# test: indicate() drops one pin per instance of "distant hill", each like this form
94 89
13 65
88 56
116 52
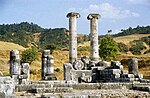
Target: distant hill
28 34
137 30
129 38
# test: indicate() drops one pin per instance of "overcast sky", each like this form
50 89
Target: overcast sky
115 14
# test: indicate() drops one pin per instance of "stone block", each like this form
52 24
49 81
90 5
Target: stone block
77 74
112 71
140 76
98 68
49 96
104 64
127 75
16 79
7 86
50 77
133 66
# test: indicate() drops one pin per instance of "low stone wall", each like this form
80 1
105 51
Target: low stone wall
68 89
74 86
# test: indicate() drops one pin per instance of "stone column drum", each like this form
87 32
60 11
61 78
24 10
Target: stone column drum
133 66
94 54
73 36
50 65
15 68
45 53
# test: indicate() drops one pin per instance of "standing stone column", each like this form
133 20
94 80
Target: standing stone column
94 54
15 68
45 53
133 66
73 36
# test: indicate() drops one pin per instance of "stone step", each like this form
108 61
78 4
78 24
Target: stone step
51 90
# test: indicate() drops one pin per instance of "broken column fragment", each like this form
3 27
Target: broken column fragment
47 66
15 68
67 71
73 36
94 54
24 78
133 66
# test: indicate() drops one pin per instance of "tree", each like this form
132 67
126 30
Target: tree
108 48
29 55
51 47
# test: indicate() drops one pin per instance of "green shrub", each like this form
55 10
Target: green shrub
137 47
51 47
85 48
143 63
57 69
29 55
108 48
146 40
122 47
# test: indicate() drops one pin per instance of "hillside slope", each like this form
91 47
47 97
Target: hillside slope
5 48
9 46
128 38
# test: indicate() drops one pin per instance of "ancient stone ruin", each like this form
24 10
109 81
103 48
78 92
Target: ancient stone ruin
47 66
85 77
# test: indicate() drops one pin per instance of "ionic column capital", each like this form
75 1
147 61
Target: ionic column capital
93 15
73 14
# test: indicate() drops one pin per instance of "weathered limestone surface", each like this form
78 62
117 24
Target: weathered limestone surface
24 78
59 89
94 53
7 87
78 64
45 53
133 66
73 36
15 68
47 66
67 71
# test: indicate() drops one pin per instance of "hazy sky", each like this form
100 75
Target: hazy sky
115 14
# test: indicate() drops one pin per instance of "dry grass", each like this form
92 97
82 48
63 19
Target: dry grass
127 39
9 46
61 57
84 44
